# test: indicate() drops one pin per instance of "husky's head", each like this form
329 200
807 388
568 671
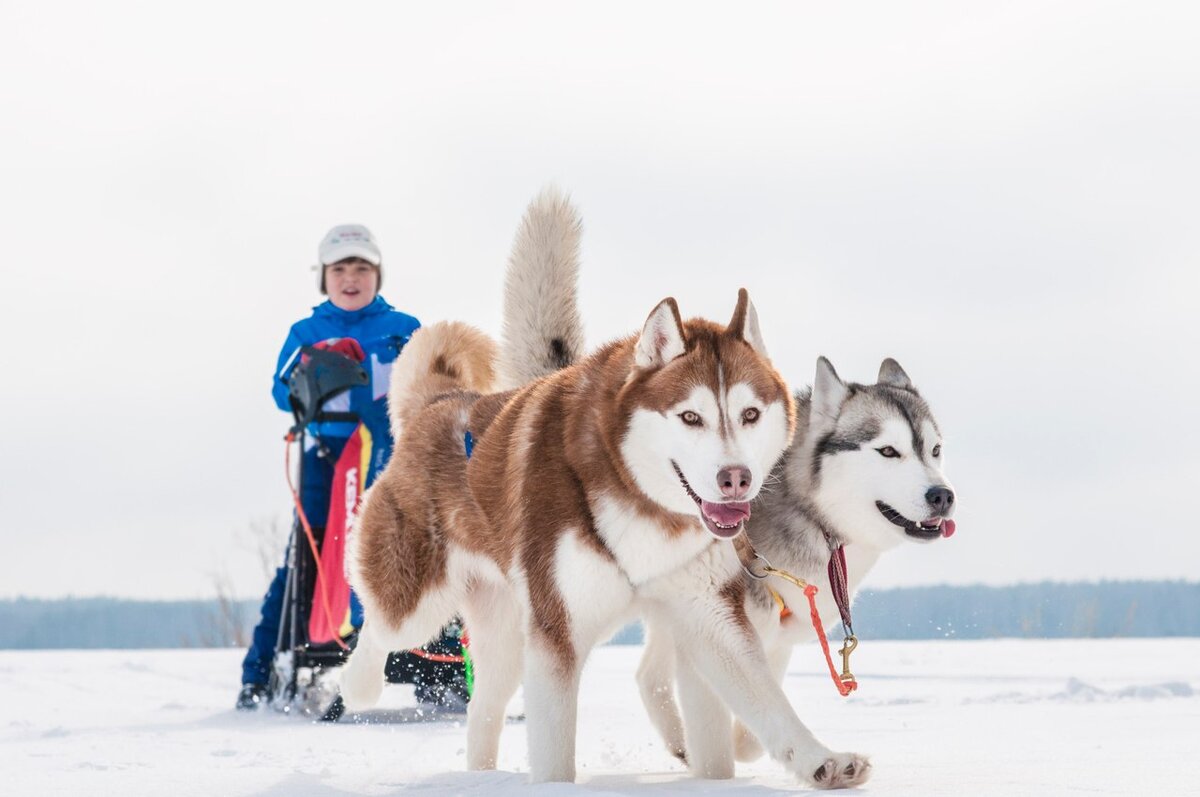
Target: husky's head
872 459
706 415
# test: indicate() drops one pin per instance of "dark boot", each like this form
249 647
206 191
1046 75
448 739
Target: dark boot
450 695
251 697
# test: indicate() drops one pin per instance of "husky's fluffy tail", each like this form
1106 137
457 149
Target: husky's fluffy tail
440 358
542 331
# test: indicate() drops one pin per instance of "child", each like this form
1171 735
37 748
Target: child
358 323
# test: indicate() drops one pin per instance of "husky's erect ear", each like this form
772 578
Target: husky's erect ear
890 373
829 391
744 323
662 338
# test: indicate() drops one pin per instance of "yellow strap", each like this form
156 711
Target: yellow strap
784 611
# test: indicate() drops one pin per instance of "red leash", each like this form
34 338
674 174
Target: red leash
759 568
845 682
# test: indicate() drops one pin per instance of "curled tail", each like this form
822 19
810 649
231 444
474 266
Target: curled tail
440 358
542 330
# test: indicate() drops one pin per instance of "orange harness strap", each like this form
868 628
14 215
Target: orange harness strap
845 682
447 658
758 569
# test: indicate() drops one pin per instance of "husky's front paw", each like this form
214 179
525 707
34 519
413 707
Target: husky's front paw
842 771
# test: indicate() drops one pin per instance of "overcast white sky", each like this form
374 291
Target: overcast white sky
1003 196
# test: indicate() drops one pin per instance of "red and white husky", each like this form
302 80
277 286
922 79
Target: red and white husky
608 488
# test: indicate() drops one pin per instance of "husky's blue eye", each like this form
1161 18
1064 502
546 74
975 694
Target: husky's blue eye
889 452
750 415
937 450
691 418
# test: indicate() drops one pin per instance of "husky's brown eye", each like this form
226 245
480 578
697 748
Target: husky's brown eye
750 415
937 450
691 418
889 452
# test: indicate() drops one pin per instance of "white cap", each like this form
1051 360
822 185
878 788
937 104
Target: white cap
347 240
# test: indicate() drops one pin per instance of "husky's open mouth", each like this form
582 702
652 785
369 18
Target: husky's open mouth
722 520
925 530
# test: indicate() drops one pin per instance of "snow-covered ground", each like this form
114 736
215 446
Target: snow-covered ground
1001 717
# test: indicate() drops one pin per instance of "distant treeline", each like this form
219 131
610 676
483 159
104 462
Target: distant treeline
1046 610
1107 609
27 623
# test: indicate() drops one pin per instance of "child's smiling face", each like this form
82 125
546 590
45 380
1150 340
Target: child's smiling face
351 283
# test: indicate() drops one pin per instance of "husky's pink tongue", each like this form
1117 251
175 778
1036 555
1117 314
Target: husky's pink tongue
947 528
725 514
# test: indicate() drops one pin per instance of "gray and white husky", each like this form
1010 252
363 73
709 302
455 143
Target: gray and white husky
864 470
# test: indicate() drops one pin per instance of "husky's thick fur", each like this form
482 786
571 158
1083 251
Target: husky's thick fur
865 471
599 491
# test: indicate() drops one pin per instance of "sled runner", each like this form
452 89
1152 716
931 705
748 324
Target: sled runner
317 629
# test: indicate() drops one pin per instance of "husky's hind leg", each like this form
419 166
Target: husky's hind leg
655 678
363 677
399 568
497 650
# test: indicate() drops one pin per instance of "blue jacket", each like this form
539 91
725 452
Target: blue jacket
382 331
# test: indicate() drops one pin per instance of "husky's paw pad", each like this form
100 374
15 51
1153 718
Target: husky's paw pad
842 771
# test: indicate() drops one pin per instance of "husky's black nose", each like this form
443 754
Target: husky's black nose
734 481
940 498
